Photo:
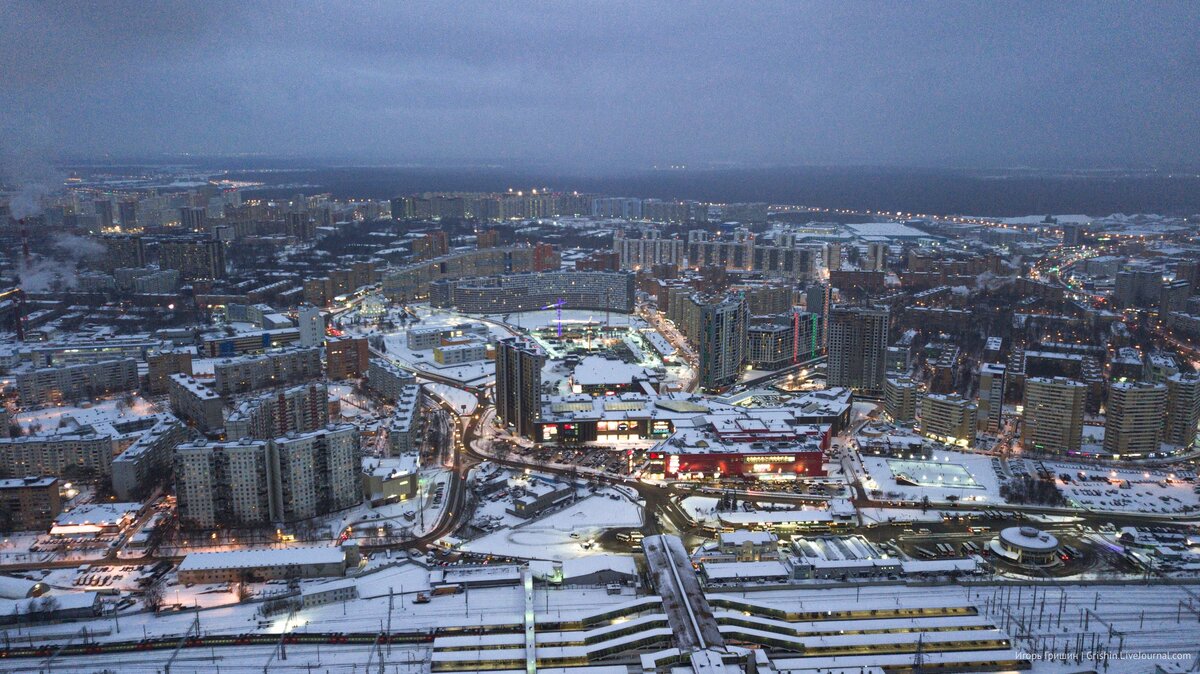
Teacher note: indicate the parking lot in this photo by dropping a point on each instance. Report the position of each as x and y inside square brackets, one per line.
[601, 458]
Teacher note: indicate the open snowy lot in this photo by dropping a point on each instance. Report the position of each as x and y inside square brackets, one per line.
[562, 534]
[963, 476]
[1125, 490]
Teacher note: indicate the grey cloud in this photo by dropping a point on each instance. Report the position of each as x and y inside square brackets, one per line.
[612, 84]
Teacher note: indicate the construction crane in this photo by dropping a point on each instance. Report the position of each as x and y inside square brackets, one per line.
[557, 306]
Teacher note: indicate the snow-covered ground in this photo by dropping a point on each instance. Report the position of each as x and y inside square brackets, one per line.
[969, 478]
[872, 516]
[98, 413]
[1149, 491]
[1044, 627]
[462, 401]
[702, 509]
[531, 320]
[396, 344]
[564, 533]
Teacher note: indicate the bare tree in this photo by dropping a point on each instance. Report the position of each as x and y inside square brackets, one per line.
[152, 596]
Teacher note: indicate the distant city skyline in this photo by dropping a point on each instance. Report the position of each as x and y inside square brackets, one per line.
[612, 86]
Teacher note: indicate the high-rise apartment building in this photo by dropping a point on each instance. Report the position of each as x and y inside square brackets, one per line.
[948, 418]
[195, 258]
[1138, 286]
[195, 403]
[545, 257]
[312, 326]
[1053, 410]
[193, 218]
[833, 256]
[1133, 419]
[858, 339]
[256, 482]
[223, 483]
[406, 428]
[876, 259]
[818, 299]
[1183, 409]
[104, 213]
[164, 362]
[295, 410]
[643, 253]
[277, 368]
[783, 340]
[489, 238]
[900, 399]
[519, 385]
[991, 396]
[319, 472]
[127, 211]
[346, 357]
[387, 380]
[122, 252]
[718, 326]
[433, 244]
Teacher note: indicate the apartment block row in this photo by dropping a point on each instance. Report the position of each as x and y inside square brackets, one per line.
[253, 482]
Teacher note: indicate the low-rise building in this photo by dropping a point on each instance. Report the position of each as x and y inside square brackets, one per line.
[456, 354]
[420, 339]
[773, 572]
[539, 494]
[95, 518]
[748, 546]
[262, 565]
[391, 480]
[329, 593]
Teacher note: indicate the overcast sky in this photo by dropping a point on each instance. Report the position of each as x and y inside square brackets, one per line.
[609, 84]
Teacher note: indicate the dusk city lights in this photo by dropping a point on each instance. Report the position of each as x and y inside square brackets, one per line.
[652, 337]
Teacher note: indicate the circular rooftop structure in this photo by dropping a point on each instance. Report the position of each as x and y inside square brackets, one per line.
[1028, 545]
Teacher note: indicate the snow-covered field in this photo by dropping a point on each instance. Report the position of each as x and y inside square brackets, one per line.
[967, 477]
[932, 473]
[51, 418]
